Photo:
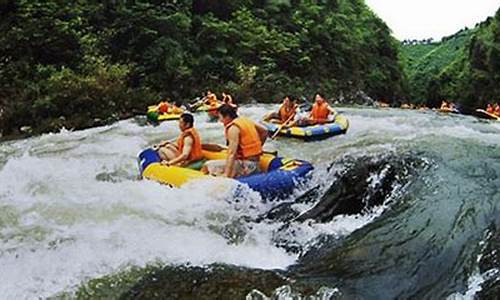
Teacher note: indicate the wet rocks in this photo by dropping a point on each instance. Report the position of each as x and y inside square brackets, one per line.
[213, 282]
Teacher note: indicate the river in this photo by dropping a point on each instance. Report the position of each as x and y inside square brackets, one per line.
[74, 215]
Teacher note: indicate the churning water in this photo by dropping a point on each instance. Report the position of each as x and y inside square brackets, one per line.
[72, 208]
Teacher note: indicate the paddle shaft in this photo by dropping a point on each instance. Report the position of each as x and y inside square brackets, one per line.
[281, 127]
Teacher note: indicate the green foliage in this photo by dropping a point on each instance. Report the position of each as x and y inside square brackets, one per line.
[464, 68]
[92, 60]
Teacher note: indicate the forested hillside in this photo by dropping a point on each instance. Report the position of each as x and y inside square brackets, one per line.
[88, 63]
[463, 68]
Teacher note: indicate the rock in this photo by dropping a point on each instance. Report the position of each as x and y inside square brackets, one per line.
[214, 282]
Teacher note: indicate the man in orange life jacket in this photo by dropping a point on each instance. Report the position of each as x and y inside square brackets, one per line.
[286, 112]
[245, 139]
[187, 149]
[319, 114]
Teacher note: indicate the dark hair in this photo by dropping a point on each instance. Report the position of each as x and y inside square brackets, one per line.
[188, 118]
[227, 111]
[321, 95]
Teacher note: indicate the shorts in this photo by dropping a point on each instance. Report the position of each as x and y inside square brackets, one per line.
[242, 167]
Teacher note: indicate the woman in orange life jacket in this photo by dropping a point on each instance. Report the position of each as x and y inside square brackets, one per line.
[245, 139]
[186, 150]
[286, 112]
[320, 113]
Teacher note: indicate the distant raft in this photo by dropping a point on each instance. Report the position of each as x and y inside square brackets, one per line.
[486, 115]
[279, 176]
[449, 110]
[313, 132]
[155, 116]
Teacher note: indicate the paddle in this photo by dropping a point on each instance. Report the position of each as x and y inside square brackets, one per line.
[218, 148]
[275, 134]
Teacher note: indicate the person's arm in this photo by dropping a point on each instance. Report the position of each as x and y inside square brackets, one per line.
[188, 145]
[332, 110]
[262, 131]
[233, 138]
[161, 144]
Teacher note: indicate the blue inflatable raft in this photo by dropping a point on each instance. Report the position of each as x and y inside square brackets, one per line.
[313, 132]
[278, 178]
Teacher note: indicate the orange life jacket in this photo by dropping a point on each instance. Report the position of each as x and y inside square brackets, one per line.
[163, 107]
[196, 153]
[286, 114]
[212, 100]
[250, 144]
[320, 113]
[490, 109]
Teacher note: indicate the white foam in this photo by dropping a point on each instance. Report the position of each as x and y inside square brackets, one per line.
[72, 210]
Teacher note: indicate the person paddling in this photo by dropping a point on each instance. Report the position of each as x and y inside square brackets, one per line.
[285, 114]
[320, 113]
[186, 150]
[245, 139]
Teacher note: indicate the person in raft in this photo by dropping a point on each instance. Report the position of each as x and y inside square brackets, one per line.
[186, 150]
[320, 113]
[285, 114]
[165, 107]
[245, 139]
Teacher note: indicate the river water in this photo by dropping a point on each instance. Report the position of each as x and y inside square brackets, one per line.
[72, 209]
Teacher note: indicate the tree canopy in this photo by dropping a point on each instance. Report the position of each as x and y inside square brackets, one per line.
[64, 64]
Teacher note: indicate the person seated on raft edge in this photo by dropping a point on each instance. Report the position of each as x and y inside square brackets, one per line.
[188, 147]
[164, 107]
[245, 139]
[286, 112]
[319, 114]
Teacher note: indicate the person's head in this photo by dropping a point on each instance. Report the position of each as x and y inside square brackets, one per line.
[186, 121]
[286, 100]
[319, 98]
[226, 114]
